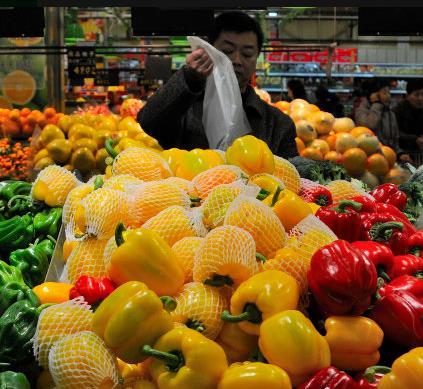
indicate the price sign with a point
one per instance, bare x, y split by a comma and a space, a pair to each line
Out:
81, 64
107, 77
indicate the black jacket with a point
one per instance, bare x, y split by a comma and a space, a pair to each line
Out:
410, 123
173, 115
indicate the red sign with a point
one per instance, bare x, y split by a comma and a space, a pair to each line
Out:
344, 55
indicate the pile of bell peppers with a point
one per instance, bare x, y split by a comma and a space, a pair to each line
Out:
28, 232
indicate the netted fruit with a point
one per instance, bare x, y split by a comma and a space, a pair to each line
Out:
143, 163
85, 259
98, 214
287, 173
53, 185
288, 261
311, 234
187, 186
83, 360
260, 221
153, 197
342, 190
223, 174
109, 249
123, 182
185, 251
220, 198
199, 307
227, 256
176, 222
58, 321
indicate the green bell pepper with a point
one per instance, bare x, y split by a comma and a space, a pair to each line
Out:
14, 188
15, 291
17, 327
47, 246
12, 380
16, 233
32, 262
10, 274
48, 222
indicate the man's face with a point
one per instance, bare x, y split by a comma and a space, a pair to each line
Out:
242, 50
415, 98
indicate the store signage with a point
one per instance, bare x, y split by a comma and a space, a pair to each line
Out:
106, 77
81, 64
343, 55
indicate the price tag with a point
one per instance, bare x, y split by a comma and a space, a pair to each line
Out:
81, 64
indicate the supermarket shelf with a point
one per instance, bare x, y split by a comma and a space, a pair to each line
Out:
359, 75
331, 90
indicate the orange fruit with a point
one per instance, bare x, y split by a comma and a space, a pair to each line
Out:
331, 141
27, 129
396, 176
312, 153
11, 128
300, 114
357, 131
321, 145
344, 141
49, 112
15, 115
322, 122
25, 111
19, 87
368, 143
300, 144
354, 161
343, 125
298, 104
282, 105
5, 103
333, 156
313, 108
390, 155
377, 164
305, 131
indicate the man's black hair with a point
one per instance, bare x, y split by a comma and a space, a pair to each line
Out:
414, 84
297, 88
236, 21
375, 85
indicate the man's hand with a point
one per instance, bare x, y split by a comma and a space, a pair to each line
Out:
405, 158
419, 142
199, 64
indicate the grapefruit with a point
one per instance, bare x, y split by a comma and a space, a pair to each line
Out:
19, 87
305, 131
390, 155
321, 145
323, 122
357, 131
354, 161
312, 153
343, 125
333, 156
378, 165
344, 141
368, 143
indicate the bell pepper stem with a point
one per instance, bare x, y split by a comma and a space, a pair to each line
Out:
321, 200
251, 313
418, 274
49, 237
381, 271
415, 251
261, 257
108, 145
173, 360
262, 194
382, 232
370, 372
340, 208
219, 280
98, 182
195, 325
275, 197
120, 228
169, 303
43, 306
18, 197
380, 284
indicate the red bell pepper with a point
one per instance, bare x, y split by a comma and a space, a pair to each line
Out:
390, 194
329, 378
415, 244
342, 279
319, 195
381, 256
368, 204
370, 378
93, 289
407, 264
399, 311
342, 219
381, 228
396, 215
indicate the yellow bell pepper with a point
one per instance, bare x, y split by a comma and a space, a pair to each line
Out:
290, 341
148, 141
52, 292
130, 317
68, 246
143, 255
237, 344
140, 384
291, 209
130, 372
270, 188
353, 341
125, 143
186, 359
251, 154
254, 375
187, 164
314, 207
260, 297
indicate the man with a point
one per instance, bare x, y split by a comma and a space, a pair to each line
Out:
174, 114
375, 113
409, 113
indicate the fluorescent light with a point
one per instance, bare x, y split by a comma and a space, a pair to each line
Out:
272, 14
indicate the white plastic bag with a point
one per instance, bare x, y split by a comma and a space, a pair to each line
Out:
224, 118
